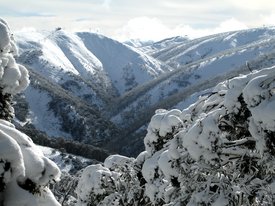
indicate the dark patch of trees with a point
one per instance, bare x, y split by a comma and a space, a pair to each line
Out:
69, 146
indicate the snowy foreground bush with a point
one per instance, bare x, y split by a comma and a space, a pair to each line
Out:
219, 151
24, 171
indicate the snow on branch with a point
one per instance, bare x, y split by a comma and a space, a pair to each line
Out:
14, 77
25, 172
218, 151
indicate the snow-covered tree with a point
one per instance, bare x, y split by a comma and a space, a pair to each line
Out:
24, 171
114, 183
218, 151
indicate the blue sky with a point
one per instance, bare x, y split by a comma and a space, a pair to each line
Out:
144, 19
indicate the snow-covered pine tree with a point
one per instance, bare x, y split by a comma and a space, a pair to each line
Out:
218, 151
24, 171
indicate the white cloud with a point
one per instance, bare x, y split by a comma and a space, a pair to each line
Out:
160, 18
146, 28
263, 5
106, 4
268, 20
230, 25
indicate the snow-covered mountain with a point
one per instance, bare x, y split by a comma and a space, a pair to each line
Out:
75, 76
96, 90
125, 66
182, 86
137, 43
193, 50
150, 47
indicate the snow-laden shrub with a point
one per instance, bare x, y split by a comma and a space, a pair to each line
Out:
164, 124
24, 171
218, 151
226, 147
14, 77
114, 183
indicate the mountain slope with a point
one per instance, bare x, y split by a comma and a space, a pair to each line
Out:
83, 78
126, 67
190, 51
189, 81
154, 47
197, 71
59, 113
103, 92
71, 87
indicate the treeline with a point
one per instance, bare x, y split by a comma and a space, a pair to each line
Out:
68, 146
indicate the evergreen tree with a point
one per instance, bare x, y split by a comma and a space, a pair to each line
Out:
25, 172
